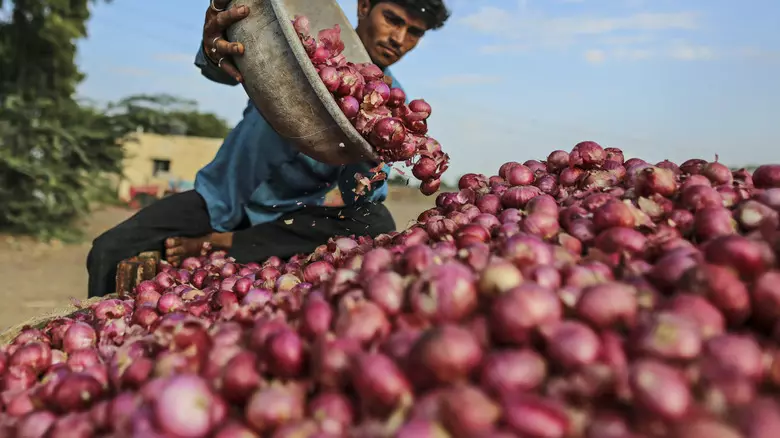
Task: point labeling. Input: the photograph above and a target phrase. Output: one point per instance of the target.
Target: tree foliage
(53, 149)
(166, 114)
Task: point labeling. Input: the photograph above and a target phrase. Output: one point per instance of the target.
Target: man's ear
(363, 8)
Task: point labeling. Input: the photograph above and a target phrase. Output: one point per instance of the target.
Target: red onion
(656, 180)
(587, 154)
(767, 176)
(534, 416)
(79, 335)
(363, 321)
(518, 197)
(571, 344)
(660, 389)
(386, 289)
(270, 408)
(722, 287)
(606, 304)
(512, 371)
(468, 411)
(669, 336)
(621, 239)
(499, 277)
(333, 411)
(445, 354)
(444, 293)
(749, 258)
(697, 309)
(526, 250)
(379, 383)
(518, 311)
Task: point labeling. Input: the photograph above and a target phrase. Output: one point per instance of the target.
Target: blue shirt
(257, 176)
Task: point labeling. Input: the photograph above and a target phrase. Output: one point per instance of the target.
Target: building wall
(185, 155)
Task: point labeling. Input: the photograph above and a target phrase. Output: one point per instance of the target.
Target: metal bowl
(285, 87)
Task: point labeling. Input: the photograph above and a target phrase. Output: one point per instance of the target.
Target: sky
(513, 80)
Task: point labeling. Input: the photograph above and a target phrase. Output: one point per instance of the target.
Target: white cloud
(468, 79)
(679, 50)
(595, 56)
(525, 29)
(527, 25)
(691, 52)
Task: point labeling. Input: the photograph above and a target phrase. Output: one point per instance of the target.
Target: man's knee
(104, 247)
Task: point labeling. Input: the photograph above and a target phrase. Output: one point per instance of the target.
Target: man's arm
(211, 71)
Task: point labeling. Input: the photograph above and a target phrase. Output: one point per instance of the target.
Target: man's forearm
(210, 70)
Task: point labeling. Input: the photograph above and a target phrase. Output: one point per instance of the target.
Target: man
(259, 197)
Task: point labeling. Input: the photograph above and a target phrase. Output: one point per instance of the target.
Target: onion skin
(379, 383)
(270, 408)
(660, 389)
(516, 313)
(468, 411)
(510, 371)
(532, 416)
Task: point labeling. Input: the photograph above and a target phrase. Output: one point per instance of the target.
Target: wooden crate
(136, 269)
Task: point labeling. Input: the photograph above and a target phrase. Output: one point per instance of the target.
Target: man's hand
(215, 45)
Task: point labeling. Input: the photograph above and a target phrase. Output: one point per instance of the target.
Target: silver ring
(219, 63)
(215, 8)
(214, 44)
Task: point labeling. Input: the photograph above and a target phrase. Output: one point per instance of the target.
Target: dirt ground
(38, 278)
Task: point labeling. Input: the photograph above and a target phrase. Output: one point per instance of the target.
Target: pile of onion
(584, 295)
(376, 109)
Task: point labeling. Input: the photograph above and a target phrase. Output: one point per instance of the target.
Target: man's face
(387, 31)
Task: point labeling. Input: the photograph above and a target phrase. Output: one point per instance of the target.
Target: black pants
(185, 215)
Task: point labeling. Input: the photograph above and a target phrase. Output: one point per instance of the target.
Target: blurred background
(507, 80)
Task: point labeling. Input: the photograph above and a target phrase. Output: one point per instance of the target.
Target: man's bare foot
(179, 248)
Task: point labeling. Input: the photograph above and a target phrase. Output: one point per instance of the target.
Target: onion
(669, 336)
(747, 257)
(606, 304)
(363, 321)
(80, 335)
(379, 383)
(722, 287)
(512, 371)
(333, 410)
(272, 407)
(518, 197)
(386, 289)
(697, 309)
(518, 311)
(571, 344)
(613, 214)
(587, 154)
(767, 176)
(660, 389)
(468, 411)
(446, 354)
(621, 239)
(534, 416)
(284, 353)
(445, 293)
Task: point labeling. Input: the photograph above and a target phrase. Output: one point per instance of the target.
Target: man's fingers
(220, 4)
(232, 15)
(229, 68)
(225, 47)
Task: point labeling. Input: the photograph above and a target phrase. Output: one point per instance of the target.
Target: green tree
(166, 114)
(54, 148)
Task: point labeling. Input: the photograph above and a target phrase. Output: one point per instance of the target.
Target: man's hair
(433, 12)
